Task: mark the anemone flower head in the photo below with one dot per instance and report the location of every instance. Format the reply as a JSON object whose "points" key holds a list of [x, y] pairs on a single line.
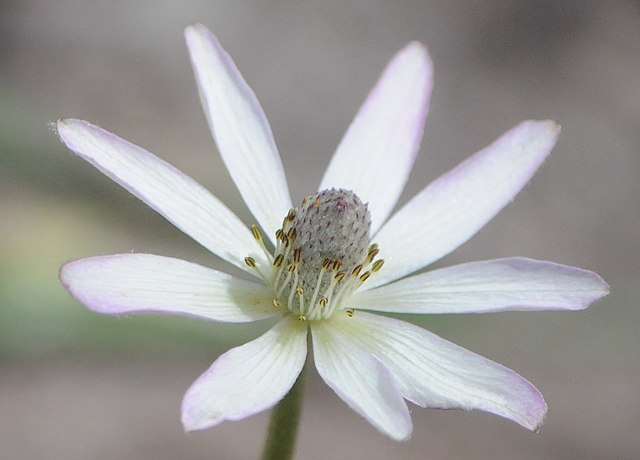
{"points": [[325, 265]]}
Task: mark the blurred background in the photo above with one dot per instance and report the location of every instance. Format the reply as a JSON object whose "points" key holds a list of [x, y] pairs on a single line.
{"points": [[77, 385]]}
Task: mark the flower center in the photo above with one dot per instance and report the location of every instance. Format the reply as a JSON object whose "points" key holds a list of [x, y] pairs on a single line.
{"points": [[323, 254]]}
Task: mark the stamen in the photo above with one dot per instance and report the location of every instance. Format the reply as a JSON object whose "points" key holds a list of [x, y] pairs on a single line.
{"points": [[278, 261], [372, 255], [257, 235], [300, 293], [377, 265], [290, 269], [291, 293], [250, 261], [275, 276], [322, 255], [325, 266]]}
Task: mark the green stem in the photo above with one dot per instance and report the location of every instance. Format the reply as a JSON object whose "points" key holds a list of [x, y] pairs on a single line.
{"points": [[283, 425]]}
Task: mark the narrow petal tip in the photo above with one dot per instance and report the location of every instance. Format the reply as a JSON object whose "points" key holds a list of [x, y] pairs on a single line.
{"points": [[416, 49], [415, 57], [544, 129], [533, 409], [595, 285], [193, 30], [70, 131]]}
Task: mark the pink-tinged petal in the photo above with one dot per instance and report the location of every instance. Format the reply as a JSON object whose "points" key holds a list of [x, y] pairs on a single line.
{"points": [[515, 283], [180, 199], [144, 283], [241, 130], [455, 206], [435, 373], [360, 380], [376, 155], [247, 379]]}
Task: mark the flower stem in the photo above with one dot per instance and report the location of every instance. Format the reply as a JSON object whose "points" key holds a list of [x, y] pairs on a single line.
{"points": [[283, 425]]}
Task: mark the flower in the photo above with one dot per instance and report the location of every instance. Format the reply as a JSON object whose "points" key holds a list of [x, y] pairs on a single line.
{"points": [[326, 264]]}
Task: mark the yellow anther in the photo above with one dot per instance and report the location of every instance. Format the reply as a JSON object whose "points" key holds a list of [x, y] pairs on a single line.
{"points": [[279, 234], [291, 267], [373, 247], [276, 303], [278, 261], [257, 234], [365, 276], [302, 318], [291, 215], [305, 201], [297, 254], [372, 255], [291, 234], [356, 271], [250, 261], [299, 291], [350, 312], [339, 276], [323, 302], [377, 265], [337, 264], [327, 263]]}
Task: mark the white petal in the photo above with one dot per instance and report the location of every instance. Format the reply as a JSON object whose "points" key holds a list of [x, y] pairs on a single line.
{"points": [[180, 199], [455, 206], [241, 130], [247, 379], [132, 283], [376, 155], [360, 380], [435, 373], [515, 283]]}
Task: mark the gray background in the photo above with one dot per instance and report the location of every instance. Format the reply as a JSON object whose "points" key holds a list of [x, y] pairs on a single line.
{"points": [[77, 385]]}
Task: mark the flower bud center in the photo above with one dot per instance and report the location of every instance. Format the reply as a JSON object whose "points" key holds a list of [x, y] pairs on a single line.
{"points": [[322, 255], [332, 225]]}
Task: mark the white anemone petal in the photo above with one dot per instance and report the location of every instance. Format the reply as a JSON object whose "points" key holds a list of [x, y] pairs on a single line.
{"points": [[515, 283], [435, 373], [247, 379], [180, 199], [378, 150], [240, 128], [360, 380], [455, 206], [135, 283]]}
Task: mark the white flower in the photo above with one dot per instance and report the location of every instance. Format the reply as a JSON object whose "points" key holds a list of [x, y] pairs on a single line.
{"points": [[310, 268]]}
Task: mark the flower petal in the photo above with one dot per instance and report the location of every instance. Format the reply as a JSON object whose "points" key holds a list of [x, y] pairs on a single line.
{"points": [[515, 283], [376, 155], [132, 283], [180, 199], [360, 380], [435, 373], [247, 379], [455, 206], [241, 130]]}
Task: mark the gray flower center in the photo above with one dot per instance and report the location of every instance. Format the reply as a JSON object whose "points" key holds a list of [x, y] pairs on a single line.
{"points": [[323, 254]]}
